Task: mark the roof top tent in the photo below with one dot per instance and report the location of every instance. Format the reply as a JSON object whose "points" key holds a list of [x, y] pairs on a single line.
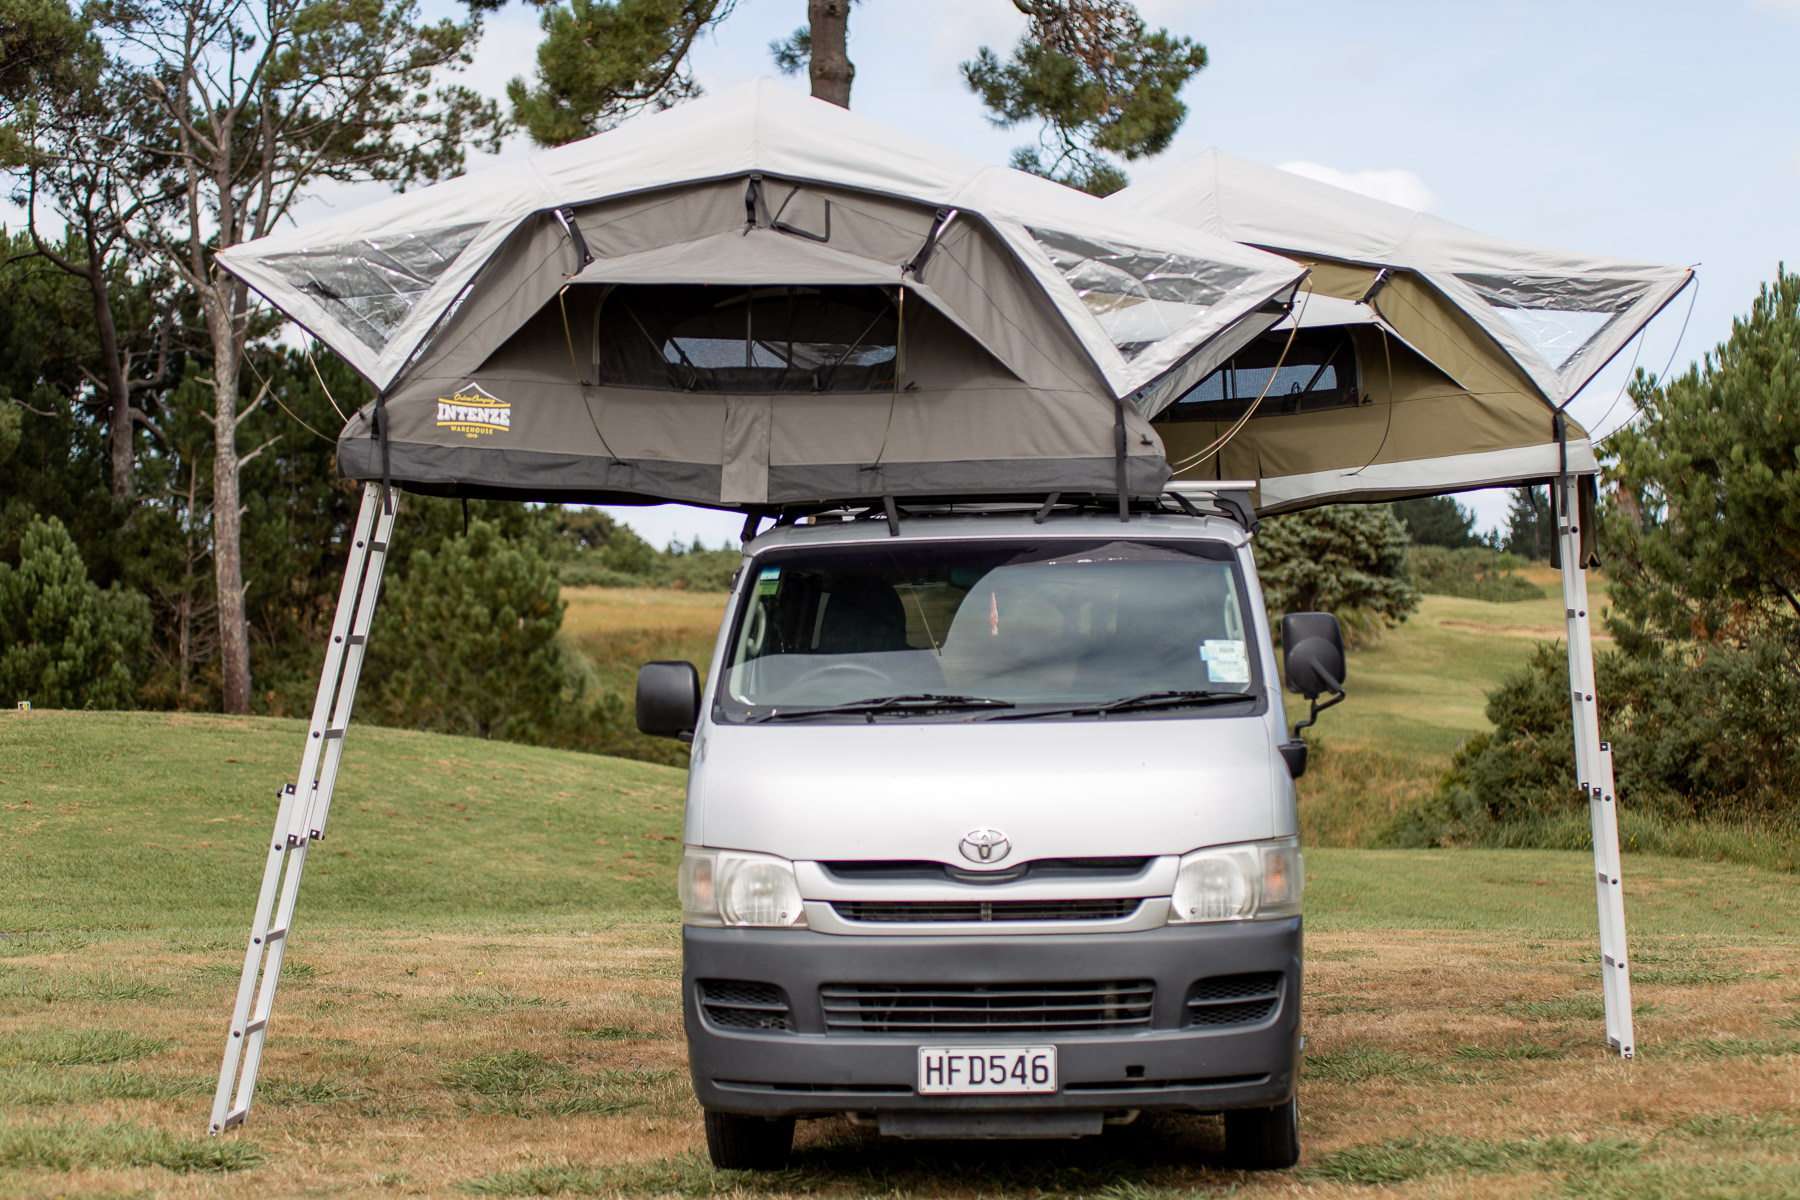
{"points": [[1421, 358], [759, 299], [1429, 358], [750, 301]]}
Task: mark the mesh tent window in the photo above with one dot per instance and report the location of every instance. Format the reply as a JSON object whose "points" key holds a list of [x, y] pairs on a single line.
{"points": [[1140, 297], [1317, 372], [371, 285], [695, 337], [1559, 317]]}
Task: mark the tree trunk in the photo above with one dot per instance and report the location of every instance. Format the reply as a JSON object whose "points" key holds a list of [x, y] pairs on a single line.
{"points": [[829, 67], [227, 512], [118, 394]]}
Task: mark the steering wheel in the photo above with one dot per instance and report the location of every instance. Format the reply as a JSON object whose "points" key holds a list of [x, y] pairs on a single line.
{"points": [[845, 669]]}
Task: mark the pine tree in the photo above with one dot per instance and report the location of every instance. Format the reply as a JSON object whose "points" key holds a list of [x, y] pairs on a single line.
{"points": [[65, 643], [1098, 82], [1348, 559], [1437, 521], [602, 61], [465, 642], [1530, 524]]}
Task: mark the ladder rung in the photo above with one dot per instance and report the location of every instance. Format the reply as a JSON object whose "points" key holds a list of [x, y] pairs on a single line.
{"points": [[332, 733], [259, 1023], [356, 639], [275, 935], [236, 1116], [378, 546]]}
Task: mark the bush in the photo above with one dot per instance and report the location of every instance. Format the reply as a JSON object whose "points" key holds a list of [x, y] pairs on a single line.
{"points": [[465, 642], [694, 569], [64, 642], [1700, 735], [1475, 573], [1347, 559]]}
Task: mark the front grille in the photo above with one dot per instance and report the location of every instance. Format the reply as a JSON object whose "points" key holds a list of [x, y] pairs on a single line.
{"points": [[934, 1008], [737, 1004], [1234, 999], [986, 910], [888, 870]]}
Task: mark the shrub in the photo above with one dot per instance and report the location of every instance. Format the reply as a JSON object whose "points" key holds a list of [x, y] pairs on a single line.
{"points": [[1705, 734], [1475, 573], [465, 642], [694, 570], [1347, 559], [64, 642]]}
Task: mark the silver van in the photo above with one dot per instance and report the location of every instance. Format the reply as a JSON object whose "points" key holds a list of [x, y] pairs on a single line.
{"points": [[991, 830]]}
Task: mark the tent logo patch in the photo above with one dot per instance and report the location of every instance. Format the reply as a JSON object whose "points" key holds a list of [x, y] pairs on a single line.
{"points": [[474, 412]]}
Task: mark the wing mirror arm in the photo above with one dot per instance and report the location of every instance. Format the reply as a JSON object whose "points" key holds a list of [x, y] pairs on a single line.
{"points": [[1337, 697]]}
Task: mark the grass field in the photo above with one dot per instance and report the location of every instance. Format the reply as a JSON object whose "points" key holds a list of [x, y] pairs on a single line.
{"points": [[1414, 696], [482, 999]]}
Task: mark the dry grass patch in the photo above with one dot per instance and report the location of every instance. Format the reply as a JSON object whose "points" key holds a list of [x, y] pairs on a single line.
{"points": [[1459, 1063]]}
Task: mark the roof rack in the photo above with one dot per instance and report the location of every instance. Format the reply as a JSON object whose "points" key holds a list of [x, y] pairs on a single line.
{"points": [[1228, 498]]}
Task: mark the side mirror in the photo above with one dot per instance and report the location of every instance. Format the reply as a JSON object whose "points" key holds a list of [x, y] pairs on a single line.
{"points": [[1314, 650], [668, 700], [1315, 653]]}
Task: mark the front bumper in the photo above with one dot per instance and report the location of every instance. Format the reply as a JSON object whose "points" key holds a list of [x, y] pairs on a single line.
{"points": [[1171, 1064]]}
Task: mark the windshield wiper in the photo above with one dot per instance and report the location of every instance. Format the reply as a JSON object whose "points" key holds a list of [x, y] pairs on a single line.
{"points": [[913, 702], [1148, 700]]}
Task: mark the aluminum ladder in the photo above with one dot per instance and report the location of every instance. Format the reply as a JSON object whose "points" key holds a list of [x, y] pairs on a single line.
{"points": [[305, 805], [1594, 769]]}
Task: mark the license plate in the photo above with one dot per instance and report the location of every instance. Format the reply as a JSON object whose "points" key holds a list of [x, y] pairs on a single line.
{"points": [[986, 1070]]}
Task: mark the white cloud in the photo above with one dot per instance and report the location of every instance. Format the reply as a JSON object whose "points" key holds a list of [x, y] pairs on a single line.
{"points": [[1784, 8], [1395, 186]]}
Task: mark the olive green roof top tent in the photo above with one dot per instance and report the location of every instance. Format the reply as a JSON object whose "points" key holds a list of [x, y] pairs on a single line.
{"points": [[752, 300], [1431, 358], [1421, 358]]}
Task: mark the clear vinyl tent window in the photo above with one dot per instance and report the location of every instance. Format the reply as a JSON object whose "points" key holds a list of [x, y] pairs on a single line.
{"points": [[370, 286], [1559, 317], [1319, 371], [1140, 296], [716, 338]]}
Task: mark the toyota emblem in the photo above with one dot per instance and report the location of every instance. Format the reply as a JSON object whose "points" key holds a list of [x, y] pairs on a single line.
{"points": [[985, 846]]}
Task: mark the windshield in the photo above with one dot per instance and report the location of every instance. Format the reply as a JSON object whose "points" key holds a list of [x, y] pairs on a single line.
{"points": [[962, 627]]}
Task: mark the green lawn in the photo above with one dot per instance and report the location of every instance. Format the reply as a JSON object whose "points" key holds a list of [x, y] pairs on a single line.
{"points": [[140, 821]]}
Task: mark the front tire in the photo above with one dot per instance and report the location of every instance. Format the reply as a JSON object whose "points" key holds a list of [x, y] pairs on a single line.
{"points": [[748, 1143], [1263, 1139]]}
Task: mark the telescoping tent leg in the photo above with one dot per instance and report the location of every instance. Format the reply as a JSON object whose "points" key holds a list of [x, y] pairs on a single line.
{"points": [[304, 808], [1593, 766]]}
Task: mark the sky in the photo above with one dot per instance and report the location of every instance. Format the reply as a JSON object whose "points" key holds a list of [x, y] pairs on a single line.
{"points": [[1646, 130]]}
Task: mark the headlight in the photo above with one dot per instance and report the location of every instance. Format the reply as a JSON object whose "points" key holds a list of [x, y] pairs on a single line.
{"points": [[727, 887], [1236, 883]]}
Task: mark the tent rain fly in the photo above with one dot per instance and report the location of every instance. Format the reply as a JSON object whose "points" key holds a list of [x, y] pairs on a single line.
{"points": [[1465, 349], [583, 300]]}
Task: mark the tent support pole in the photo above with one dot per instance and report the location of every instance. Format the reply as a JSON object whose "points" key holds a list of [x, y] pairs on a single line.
{"points": [[1593, 765], [304, 808], [1119, 455]]}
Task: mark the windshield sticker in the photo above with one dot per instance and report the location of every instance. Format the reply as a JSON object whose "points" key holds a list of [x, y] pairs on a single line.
{"points": [[1226, 659], [768, 581]]}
